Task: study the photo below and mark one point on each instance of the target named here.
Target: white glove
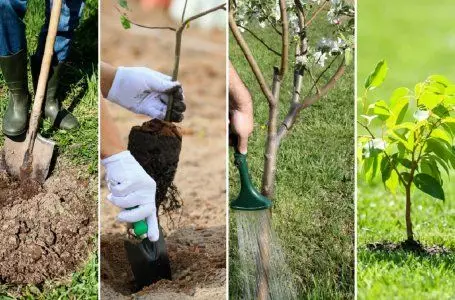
(131, 186)
(144, 91)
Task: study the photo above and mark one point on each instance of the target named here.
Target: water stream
(262, 260)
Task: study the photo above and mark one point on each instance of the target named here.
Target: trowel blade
(149, 261)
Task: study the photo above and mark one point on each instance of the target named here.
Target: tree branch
(284, 39)
(141, 25)
(316, 13)
(260, 40)
(250, 59)
(320, 76)
(295, 109)
(178, 44)
(309, 100)
(184, 10)
(197, 16)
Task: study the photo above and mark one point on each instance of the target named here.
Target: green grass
(78, 89)
(79, 93)
(313, 212)
(396, 32)
(402, 275)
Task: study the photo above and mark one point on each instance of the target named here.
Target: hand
(144, 91)
(241, 122)
(131, 186)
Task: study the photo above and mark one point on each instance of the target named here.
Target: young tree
(413, 140)
(293, 23)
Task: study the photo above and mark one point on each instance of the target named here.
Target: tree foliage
(409, 138)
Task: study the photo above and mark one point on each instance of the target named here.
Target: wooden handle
(44, 74)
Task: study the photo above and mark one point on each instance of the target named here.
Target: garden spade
(149, 260)
(249, 198)
(30, 157)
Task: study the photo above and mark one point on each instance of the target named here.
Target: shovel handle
(140, 228)
(42, 80)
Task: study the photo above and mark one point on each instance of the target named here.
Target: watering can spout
(249, 198)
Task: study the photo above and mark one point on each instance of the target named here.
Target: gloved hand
(144, 91)
(131, 186)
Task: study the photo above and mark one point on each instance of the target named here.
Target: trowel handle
(140, 227)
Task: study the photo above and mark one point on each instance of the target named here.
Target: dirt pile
(156, 145)
(198, 262)
(45, 232)
(409, 246)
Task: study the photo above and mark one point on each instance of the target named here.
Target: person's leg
(13, 65)
(12, 28)
(69, 20)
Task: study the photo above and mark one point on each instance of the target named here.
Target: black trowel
(149, 261)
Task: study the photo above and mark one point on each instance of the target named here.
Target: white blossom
(421, 115)
(320, 58)
(374, 144)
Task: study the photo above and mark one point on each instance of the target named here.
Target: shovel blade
(149, 261)
(14, 153)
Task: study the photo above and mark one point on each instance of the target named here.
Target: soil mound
(45, 232)
(198, 262)
(409, 246)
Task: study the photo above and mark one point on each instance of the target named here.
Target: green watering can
(249, 198)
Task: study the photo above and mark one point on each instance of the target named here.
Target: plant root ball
(156, 146)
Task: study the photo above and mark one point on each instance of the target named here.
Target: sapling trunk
(409, 232)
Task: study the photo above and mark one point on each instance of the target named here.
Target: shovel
(149, 261)
(30, 157)
(249, 197)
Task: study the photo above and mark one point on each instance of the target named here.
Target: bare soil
(46, 232)
(409, 246)
(196, 234)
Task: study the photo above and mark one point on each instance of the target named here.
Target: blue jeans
(12, 27)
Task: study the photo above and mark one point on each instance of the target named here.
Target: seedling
(408, 141)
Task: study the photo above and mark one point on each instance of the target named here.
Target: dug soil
(46, 232)
(195, 233)
(409, 246)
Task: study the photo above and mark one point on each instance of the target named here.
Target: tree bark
(409, 232)
(271, 148)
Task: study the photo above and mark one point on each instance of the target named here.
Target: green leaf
(370, 167)
(376, 78)
(429, 185)
(449, 125)
(439, 79)
(429, 100)
(125, 22)
(430, 167)
(441, 134)
(441, 150)
(398, 108)
(405, 162)
(389, 176)
(401, 139)
(123, 3)
(386, 170)
(381, 109)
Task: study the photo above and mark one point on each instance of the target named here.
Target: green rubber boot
(60, 118)
(14, 70)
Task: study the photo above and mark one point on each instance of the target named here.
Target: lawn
(386, 32)
(80, 81)
(313, 212)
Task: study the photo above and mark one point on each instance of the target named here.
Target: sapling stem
(178, 43)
